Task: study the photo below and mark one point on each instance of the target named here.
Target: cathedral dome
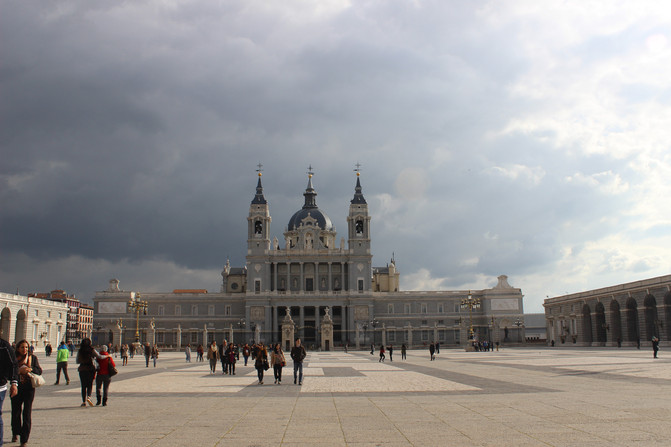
(310, 214)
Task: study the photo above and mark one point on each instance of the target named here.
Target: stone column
(274, 270)
(317, 326)
(409, 336)
(301, 286)
(342, 276)
(384, 335)
(288, 287)
(152, 325)
(179, 337)
(301, 322)
(330, 285)
(257, 333)
(435, 332)
(357, 336)
(274, 323)
(205, 335)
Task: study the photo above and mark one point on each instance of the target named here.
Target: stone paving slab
(516, 397)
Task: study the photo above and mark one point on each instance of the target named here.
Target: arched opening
(651, 321)
(5, 322)
(587, 324)
(600, 314)
(667, 315)
(20, 332)
(632, 320)
(615, 322)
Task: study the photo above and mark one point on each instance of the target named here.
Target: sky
(522, 138)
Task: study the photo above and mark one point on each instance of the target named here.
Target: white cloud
(532, 175)
(606, 182)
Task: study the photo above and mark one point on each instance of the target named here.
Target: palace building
(311, 275)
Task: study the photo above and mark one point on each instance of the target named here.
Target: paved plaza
(515, 397)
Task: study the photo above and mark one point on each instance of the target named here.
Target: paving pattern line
(291, 417)
(339, 419)
(390, 421)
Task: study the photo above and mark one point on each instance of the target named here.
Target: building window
(425, 335)
(227, 310)
(257, 286)
(35, 331)
(161, 310)
(392, 336)
(60, 315)
(48, 314)
(457, 307)
(178, 310)
(360, 285)
(160, 337)
(441, 322)
(390, 308)
(441, 335)
(194, 337)
(194, 309)
(406, 336)
(441, 308)
(425, 322)
(406, 308)
(210, 309)
(423, 308)
(37, 313)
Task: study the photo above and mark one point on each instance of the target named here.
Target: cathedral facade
(311, 276)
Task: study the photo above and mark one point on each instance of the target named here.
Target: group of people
(229, 354)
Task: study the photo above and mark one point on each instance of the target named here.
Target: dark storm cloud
(130, 134)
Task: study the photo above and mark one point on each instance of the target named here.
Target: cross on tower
(358, 167)
(310, 171)
(260, 168)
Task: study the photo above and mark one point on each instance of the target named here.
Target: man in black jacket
(9, 372)
(297, 355)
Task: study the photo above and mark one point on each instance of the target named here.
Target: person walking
(390, 348)
(9, 372)
(432, 350)
(147, 353)
(261, 362)
(187, 351)
(87, 369)
(655, 346)
(22, 402)
(277, 361)
(103, 378)
(223, 357)
(62, 355)
(154, 354)
(382, 356)
(372, 348)
(298, 355)
(230, 357)
(246, 352)
(437, 347)
(213, 356)
(403, 351)
(199, 353)
(124, 355)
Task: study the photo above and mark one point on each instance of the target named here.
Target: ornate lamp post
(470, 303)
(519, 323)
(137, 306)
(241, 326)
(374, 324)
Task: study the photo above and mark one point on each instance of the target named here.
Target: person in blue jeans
(298, 355)
(9, 373)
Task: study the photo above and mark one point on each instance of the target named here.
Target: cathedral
(310, 278)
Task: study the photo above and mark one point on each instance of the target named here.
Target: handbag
(36, 380)
(266, 366)
(111, 369)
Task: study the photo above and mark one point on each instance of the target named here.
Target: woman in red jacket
(103, 378)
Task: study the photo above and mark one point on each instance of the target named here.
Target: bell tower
(258, 222)
(358, 232)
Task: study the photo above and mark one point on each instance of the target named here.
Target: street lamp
(241, 326)
(470, 303)
(519, 323)
(374, 324)
(137, 306)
